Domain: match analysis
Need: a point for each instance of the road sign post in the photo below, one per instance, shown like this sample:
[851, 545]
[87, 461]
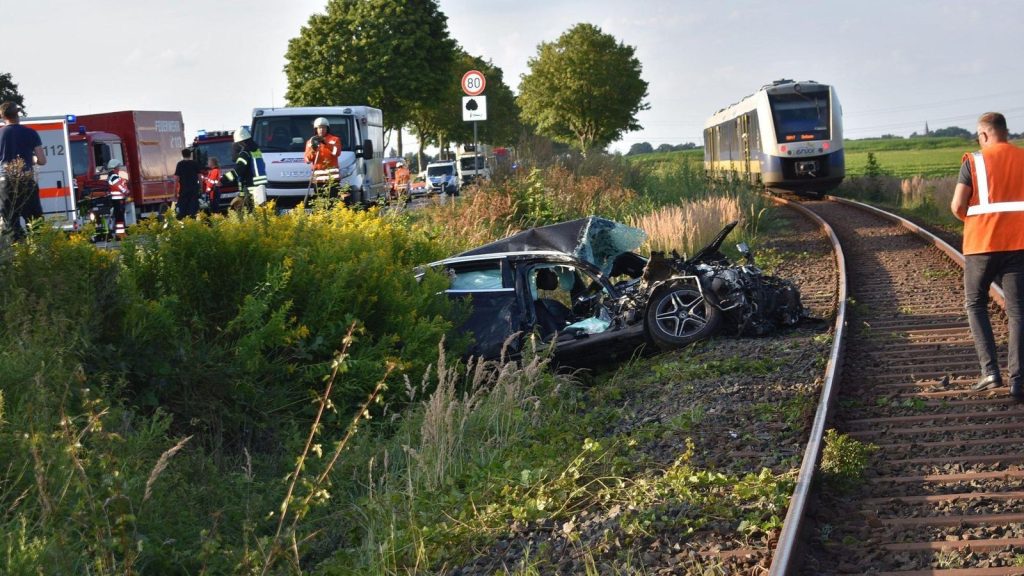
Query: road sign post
[474, 108]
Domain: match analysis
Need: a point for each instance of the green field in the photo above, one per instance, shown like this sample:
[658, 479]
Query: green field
[900, 157]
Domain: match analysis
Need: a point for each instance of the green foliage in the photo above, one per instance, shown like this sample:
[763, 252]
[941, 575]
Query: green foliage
[904, 163]
[376, 52]
[221, 315]
[441, 122]
[844, 460]
[872, 169]
[9, 91]
[584, 89]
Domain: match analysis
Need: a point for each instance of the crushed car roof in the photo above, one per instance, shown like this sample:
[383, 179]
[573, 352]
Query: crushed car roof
[592, 239]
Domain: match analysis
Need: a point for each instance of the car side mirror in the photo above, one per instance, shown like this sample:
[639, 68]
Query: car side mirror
[366, 150]
[745, 251]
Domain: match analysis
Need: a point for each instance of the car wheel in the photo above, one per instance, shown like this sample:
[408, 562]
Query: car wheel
[678, 315]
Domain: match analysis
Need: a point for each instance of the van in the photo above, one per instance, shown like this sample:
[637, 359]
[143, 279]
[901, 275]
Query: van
[443, 178]
[472, 168]
[281, 135]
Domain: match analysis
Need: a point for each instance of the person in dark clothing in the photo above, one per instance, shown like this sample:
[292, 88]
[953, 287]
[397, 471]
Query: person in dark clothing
[250, 171]
[187, 173]
[19, 192]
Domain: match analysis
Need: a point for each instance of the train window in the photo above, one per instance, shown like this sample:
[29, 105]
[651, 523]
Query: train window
[803, 116]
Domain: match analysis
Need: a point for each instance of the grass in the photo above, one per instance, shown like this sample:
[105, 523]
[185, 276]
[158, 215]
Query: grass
[181, 406]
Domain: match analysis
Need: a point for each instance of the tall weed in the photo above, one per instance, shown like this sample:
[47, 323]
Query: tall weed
[687, 227]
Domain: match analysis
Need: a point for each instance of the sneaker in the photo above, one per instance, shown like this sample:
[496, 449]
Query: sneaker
[988, 382]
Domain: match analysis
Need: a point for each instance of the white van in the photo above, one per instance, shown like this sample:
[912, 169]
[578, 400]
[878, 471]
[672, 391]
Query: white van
[472, 168]
[281, 135]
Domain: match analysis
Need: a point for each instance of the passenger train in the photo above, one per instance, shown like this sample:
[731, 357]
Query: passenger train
[787, 136]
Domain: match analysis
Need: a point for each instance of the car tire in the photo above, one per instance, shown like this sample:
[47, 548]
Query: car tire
[678, 315]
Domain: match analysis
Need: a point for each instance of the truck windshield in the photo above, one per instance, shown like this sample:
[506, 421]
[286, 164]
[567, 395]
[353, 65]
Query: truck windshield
[80, 158]
[290, 133]
[466, 162]
[219, 150]
[801, 116]
[444, 170]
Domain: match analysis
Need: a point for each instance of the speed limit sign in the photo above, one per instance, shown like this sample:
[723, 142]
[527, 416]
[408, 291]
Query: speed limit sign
[473, 83]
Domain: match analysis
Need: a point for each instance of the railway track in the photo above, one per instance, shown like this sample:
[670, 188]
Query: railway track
[944, 493]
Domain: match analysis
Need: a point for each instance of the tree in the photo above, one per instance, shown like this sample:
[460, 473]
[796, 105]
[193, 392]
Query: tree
[584, 89]
[9, 91]
[640, 148]
[441, 122]
[952, 131]
[390, 54]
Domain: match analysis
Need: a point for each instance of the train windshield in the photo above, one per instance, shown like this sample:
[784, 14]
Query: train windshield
[801, 116]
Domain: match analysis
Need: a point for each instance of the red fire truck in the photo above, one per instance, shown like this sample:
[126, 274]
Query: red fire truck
[147, 143]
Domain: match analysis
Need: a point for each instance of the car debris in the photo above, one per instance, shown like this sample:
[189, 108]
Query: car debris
[580, 287]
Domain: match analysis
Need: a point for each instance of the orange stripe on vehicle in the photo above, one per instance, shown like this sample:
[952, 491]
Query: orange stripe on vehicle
[46, 126]
[54, 192]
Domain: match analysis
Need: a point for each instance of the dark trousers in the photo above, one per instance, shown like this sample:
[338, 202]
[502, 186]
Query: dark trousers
[1007, 268]
[19, 199]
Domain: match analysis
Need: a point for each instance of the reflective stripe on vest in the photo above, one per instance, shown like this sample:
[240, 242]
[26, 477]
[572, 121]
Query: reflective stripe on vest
[984, 206]
[118, 186]
[259, 169]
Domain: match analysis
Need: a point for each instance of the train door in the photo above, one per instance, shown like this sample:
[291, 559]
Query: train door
[744, 134]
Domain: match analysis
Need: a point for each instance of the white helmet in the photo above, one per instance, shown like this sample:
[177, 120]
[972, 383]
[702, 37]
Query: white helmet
[242, 134]
[321, 121]
[400, 165]
[113, 164]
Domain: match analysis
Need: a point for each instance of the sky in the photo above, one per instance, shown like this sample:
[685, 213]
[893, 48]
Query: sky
[896, 64]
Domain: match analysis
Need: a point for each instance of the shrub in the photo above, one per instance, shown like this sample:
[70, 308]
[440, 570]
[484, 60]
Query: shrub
[844, 460]
[230, 321]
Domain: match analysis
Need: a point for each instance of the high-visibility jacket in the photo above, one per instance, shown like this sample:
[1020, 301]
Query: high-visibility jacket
[324, 158]
[117, 185]
[995, 213]
[250, 168]
[211, 180]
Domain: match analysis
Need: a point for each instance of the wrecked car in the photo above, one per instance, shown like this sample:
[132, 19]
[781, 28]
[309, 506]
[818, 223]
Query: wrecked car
[580, 287]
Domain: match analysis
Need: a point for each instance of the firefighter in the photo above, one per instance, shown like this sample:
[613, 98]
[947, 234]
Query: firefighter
[250, 171]
[401, 180]
[211, 182]
[117, 184]
[322, 151]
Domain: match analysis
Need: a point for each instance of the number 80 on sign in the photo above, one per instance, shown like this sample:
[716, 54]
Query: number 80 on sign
[473, 83]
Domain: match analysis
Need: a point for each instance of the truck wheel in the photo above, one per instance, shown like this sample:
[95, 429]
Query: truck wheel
[678, 315]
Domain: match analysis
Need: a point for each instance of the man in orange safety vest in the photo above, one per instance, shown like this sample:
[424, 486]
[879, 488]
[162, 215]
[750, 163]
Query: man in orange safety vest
[989, 198]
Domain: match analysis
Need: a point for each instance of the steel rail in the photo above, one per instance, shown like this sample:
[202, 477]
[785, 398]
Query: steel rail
[789, 539]
[784, 560]
[996, 292]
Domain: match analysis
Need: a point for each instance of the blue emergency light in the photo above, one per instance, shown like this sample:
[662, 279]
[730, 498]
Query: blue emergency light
[71, 118]
[201, 134]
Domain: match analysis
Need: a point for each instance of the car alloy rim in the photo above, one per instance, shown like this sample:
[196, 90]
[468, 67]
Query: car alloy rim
[682, 313]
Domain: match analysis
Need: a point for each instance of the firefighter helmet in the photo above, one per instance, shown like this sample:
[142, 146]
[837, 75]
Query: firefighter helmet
[113, 164]
[321, 121]
[242, 134]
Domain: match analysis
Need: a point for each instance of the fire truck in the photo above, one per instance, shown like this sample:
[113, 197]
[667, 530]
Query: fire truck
[147, 143]
[217, 144]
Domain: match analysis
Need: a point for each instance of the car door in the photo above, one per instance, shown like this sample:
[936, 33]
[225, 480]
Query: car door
[495, 308]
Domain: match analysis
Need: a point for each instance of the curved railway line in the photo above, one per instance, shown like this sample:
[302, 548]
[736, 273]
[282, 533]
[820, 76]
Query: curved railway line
[944, 490]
